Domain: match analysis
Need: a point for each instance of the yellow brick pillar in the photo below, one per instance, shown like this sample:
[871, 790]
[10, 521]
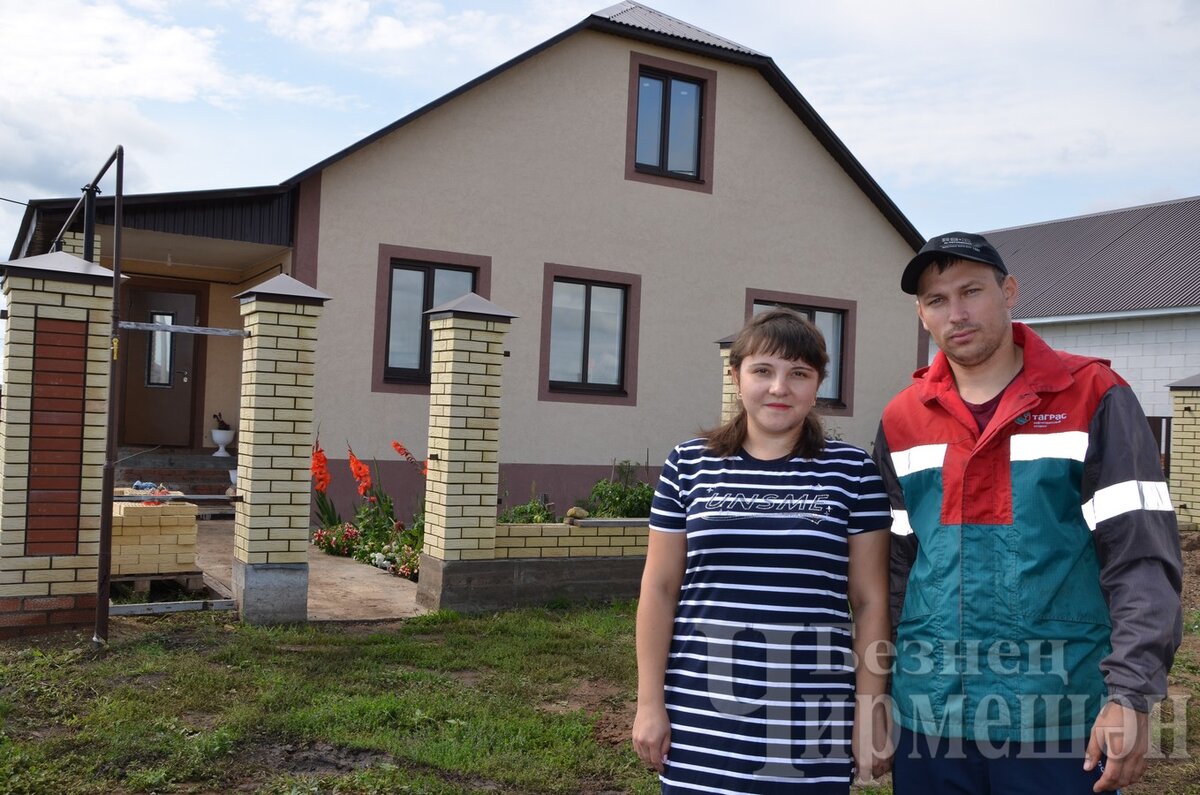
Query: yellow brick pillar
[1185, 451]
[275, 435]
[729, 397]
[52, 440]
[464, 439]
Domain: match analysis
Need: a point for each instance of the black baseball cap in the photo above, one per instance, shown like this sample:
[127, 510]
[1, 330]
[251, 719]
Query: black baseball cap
[958, 245]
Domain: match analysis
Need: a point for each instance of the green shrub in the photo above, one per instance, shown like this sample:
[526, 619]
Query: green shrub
[621, 496]
[536, 511]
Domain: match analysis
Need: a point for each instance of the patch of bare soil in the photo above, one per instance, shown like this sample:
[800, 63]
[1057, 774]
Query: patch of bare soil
[611, 705]
[312, 758]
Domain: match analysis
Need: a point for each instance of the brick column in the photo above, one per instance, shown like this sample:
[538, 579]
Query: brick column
[52, 440]
[275, 435]
[1185, 451]
[729, 398]
[464, 438]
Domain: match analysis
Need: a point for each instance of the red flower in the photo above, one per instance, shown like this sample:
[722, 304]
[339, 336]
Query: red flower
[425, 468]
[361, 472]
[399, 448]
[320, 468]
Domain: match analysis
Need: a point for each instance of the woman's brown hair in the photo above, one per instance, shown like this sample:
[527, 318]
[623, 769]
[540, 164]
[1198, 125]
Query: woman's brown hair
[787, 334]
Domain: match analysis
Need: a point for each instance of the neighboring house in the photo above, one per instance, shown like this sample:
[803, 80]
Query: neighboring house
[632, 189]
[1123, 285]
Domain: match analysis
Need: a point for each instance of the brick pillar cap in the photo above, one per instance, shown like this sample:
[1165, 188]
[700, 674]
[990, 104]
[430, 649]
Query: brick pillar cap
[60, 265]
[473, 305]
[727, 342]
[1188, 383]
[286, 288]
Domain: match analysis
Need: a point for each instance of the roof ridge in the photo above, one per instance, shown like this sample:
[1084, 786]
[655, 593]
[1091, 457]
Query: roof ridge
[614, 12]
[1114, 211]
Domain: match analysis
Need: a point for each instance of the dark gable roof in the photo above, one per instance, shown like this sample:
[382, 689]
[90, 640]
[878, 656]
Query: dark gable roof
[641, 23]
[1129, 260]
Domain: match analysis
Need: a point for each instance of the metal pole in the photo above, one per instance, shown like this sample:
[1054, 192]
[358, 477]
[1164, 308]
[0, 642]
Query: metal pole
[104, 557]
[89, 222]
[56, 244]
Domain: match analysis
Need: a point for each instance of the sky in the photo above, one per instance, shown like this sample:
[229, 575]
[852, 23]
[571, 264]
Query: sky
[970, 115]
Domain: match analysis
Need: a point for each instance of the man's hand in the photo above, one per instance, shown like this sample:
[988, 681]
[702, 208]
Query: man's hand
[871, 743]
[1123, 735]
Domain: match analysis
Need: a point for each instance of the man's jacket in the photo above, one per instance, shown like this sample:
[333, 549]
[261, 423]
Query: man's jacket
[1037, 563]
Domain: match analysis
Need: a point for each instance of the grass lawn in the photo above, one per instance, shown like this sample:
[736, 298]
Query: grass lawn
[525, 701]
[528, 701]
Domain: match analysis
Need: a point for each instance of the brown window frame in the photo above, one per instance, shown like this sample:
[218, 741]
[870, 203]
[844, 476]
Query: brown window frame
[565, 392]
[390, 255]
[844, 405]
[640, 63]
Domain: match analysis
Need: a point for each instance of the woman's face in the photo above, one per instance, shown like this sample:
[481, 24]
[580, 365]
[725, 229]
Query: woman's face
[777, 393]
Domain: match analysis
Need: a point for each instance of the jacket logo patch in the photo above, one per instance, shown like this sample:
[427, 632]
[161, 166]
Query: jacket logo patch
[1024, 418]
[1048, 420]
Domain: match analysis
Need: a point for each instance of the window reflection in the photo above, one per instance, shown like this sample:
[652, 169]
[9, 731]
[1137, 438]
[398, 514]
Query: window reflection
[161, 351]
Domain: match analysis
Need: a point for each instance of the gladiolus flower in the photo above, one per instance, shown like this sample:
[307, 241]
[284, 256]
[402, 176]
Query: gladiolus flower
[320, 468]
[399, 448]
[361, 472]
[425, 468]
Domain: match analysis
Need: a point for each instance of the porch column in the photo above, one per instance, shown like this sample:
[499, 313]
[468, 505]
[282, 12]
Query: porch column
[729, 397]
[464, 438]
[1184, 482]
[275, 435]
[52, 440]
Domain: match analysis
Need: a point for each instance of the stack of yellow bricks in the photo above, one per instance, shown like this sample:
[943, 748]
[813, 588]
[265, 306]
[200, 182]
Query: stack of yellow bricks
[581, 539]
[153, 539]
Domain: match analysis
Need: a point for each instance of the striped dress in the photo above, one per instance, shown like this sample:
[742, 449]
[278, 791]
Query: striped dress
[760, 676]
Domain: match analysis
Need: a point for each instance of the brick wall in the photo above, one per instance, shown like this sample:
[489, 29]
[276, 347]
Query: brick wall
[576, 538]
[52, 430]
[1149, 353]
[464, 438]
[1185, 456]
[275, 432]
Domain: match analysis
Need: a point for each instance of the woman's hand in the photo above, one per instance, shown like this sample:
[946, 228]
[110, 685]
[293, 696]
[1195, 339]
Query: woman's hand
[652, 735]
[871, 743]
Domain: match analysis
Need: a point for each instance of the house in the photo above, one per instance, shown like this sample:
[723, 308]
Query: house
[1123, 285]
[631, 189]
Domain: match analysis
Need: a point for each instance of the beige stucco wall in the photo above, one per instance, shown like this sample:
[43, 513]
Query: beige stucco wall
[528, 168]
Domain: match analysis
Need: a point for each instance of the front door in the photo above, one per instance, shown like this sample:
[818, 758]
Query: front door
[159, 379]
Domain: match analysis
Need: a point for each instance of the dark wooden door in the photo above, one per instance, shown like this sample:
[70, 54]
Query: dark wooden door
[159, 377]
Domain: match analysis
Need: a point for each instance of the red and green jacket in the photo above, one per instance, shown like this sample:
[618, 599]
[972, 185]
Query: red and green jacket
[1035, 565]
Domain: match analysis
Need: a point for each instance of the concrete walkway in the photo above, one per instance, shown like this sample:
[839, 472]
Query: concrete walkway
[339, 589]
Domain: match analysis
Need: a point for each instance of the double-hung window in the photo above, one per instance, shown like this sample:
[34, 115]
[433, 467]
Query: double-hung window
[414, 288]
[835, 319]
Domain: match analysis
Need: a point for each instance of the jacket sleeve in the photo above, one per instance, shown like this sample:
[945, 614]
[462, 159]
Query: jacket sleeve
[1127, 506]
[904, 542]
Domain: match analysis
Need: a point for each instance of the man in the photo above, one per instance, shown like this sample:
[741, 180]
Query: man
[1035, 553]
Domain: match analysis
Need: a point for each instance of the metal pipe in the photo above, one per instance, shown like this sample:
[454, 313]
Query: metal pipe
[89, 222]
[56, 244]
[104, 555]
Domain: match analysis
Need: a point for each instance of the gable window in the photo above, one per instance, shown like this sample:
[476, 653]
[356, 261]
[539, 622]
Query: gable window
[670, 123]
[415, 288]
[835, 319]
[589, 335]
[412, 281]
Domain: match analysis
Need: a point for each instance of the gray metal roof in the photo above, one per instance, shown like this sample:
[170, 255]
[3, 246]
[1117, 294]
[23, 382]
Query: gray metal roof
[1128, 260]
[636, 15]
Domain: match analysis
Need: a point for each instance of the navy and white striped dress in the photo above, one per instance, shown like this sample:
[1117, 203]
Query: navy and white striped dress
[760, 677]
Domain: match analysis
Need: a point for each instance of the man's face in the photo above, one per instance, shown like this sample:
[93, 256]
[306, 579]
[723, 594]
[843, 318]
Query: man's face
[965, 311]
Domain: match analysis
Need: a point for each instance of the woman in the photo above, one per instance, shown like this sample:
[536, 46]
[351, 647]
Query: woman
[760, 533]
